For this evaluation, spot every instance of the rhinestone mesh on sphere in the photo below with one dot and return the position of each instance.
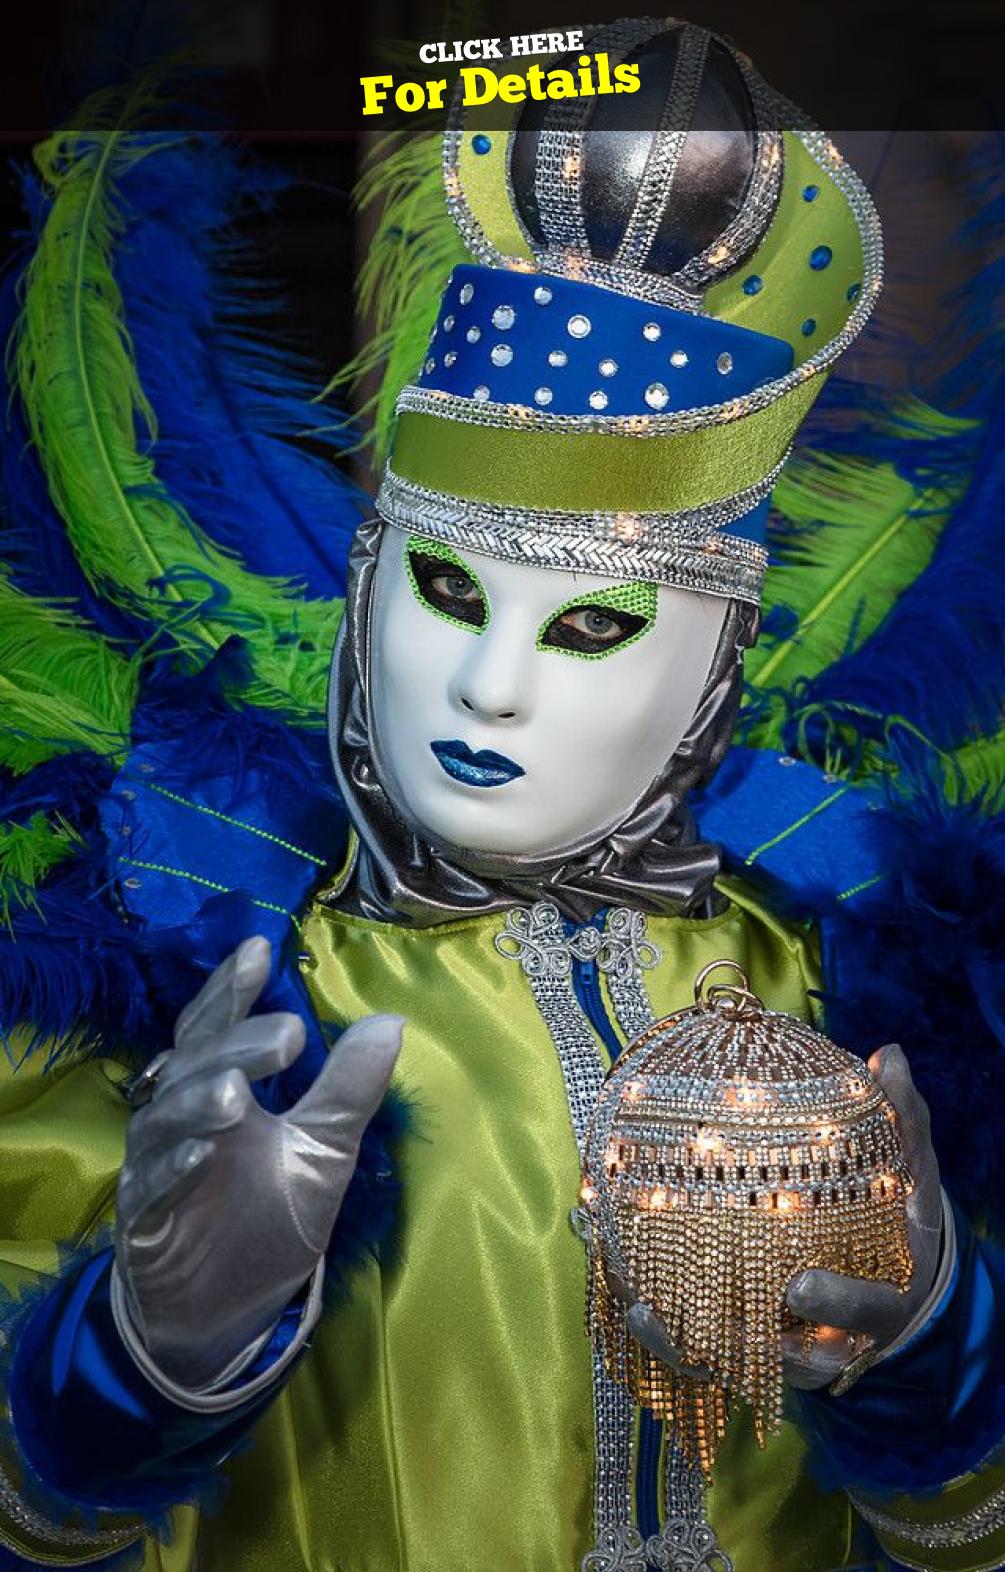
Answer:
(503, 317)
(579, 326)
(730, 1148)
(657, 396)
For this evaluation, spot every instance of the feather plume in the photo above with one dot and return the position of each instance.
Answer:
(232, 407)
(63, 686)
(408, 262)
(851, 534)
(28, 852)
(93, 427)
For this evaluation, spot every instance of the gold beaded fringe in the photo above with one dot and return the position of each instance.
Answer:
(733, 1147)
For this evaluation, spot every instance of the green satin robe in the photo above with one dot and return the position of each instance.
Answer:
(442, 1420)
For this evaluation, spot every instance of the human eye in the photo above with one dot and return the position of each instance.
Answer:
(444, 584)
(596, 627)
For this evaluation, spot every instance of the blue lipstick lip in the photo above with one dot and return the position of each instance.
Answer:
(484, 768)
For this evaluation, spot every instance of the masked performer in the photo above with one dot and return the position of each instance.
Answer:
(540, 662)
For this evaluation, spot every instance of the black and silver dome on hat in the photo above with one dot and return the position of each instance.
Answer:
(659, 192)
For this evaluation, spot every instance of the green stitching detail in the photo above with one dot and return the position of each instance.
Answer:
(857, 889)
(797, 825)
(238, 824)
(438, 548)
(209, 884)
(637, 598)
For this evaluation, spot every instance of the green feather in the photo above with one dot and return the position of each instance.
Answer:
(95, 434)
(28, 852)
(62, 685)
(414, 247)
(866, 535)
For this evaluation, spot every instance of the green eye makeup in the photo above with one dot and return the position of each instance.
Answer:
(445, 585)
(601, 622)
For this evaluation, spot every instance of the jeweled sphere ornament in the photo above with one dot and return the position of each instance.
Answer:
(732, 1147)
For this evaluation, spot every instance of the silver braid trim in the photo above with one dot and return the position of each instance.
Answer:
(624, 955)
(691, 551)
(969, 1528)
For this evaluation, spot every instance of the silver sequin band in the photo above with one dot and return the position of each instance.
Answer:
(692, 551)
(969, 1528)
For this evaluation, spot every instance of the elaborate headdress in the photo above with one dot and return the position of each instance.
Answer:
(661, 283)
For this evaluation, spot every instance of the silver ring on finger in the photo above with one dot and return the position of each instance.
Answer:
(141, 1090)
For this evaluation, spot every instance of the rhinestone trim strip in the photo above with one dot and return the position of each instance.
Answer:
(536, 937)
(761, 197)
(660, 171)
(561, 147)
(967, 1529)
(687, 551)
(23, 1516)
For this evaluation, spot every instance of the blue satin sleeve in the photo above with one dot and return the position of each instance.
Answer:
(936, 1408)
(94, 1432)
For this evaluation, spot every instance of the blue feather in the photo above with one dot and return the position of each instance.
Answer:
(938, 658)
(233, 408)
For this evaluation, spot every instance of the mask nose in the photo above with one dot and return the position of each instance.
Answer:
(493, 684)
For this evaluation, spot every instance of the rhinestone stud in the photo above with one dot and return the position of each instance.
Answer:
(579, 326)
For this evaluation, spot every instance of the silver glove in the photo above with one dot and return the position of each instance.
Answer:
(224, 1210)
(859, 1321)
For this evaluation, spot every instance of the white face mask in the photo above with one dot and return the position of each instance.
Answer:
(522, 710)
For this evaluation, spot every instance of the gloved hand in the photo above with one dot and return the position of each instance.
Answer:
(856, 1317)
(224, 1210)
